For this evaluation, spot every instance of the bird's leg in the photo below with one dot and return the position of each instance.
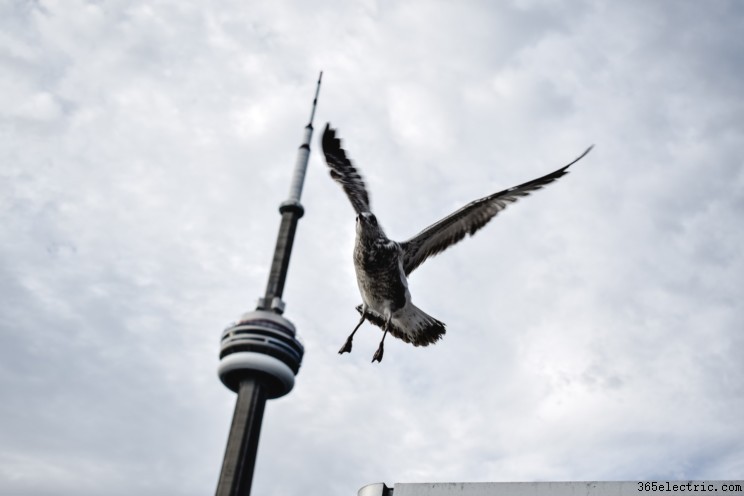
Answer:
(381, 348)
(346, 348)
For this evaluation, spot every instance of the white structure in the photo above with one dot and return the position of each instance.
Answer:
(593, 488)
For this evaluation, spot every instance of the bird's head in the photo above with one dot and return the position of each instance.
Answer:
(367, 226)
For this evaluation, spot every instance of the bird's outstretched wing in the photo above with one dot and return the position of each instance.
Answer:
(469, 219)
(344, 172)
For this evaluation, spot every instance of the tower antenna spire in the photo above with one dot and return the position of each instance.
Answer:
(291, 211)
(315, 100)
(260, 355)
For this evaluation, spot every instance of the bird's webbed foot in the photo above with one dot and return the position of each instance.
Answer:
(346, 348)
(379, 353)
(381, 348)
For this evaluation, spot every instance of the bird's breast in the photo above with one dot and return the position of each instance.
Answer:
(380, 277)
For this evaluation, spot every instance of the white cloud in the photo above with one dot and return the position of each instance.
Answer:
(593, 328)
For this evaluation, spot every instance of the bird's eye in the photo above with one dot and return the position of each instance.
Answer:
(373, 219)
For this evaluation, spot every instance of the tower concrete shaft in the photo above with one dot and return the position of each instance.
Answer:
(240, 455)
(260, 355)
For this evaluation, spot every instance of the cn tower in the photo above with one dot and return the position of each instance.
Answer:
(260, 355)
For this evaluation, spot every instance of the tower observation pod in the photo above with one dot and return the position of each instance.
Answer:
(261, 355)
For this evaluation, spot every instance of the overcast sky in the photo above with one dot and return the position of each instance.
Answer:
(594, 329)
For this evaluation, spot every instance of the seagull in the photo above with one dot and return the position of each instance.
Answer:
(382, 265)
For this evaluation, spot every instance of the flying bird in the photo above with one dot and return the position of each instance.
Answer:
(382, 265)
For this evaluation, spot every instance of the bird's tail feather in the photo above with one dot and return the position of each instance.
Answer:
(410, 324)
